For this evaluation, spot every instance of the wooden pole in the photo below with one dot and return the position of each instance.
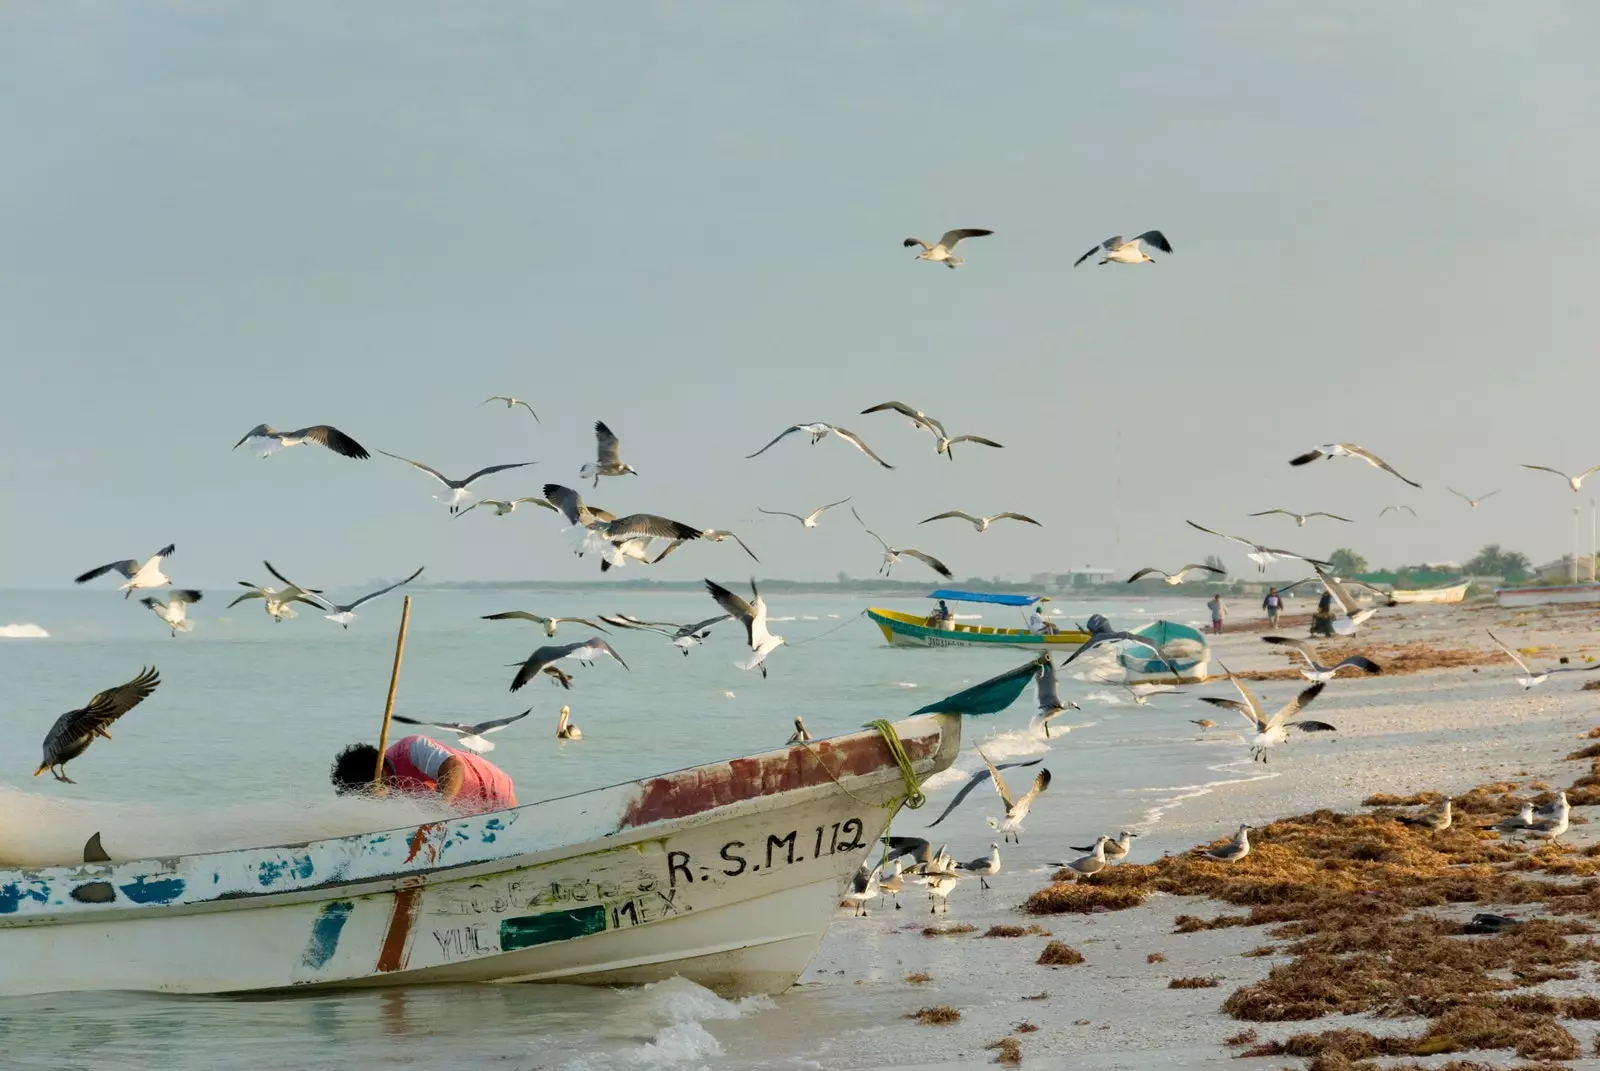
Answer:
(394, 683)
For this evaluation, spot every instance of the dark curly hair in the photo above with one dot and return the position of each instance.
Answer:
(353, 767)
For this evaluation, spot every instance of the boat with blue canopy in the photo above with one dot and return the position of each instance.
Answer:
(920, 630)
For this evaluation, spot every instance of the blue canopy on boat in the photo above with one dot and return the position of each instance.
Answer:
(985, 596)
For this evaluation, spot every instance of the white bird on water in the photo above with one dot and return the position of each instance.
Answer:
(1301, 518)
(982, 523)
(264, 439)
(1574, 482)
(510, 401)
(810, 519)
(139, 575)
(819, 431)
(470, 737)
(1331, 450)
(1179, 576)
(459, 489)
(1128, 252)
(1530, 678)
(1316, 671)
(753, 616)
(944, 248)
(1471, 502)
(1269, 732)
(175, 611)
(608, 456)
(565, 729)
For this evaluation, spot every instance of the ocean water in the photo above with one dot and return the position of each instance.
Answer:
(250, 713)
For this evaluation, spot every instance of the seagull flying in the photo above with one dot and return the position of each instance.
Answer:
(982, 523)
(175, 611)
(345, 613)
(942, 440)
(264, 439)
(1016, 809)
(891, 555)
(471, 736)
(1396, 509)
(608, 456)
(75, 730)
(1354, 613)
(278, 602)
(1179, 576)
(503, 506)
(683, 637)
(1529, 678)
(819, 431)
(1141, 692)
(549, 623)
(608, 535)
(1573, 482)
(1101, 632)
(716, 535)
(1316, 671)
(1469, 500)
(585, 651)
(459, 489)
(944, 248)
(146, 575)
(810, 519)
(1300, 518)
(753, 615)
(1050, 705)
(1128, 252)
(1262, 556)
(1349, 450)
(1274, 730)
(510, 401)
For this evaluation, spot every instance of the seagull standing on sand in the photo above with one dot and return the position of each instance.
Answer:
(894, 883)
(1559, 805)
(1091, 864)
(1262, 556)
(1128, 252)
(985, 867)
(1546, 828)
(810, 519)
(982, 523)
(1300, 518)
(586, 652)
(1515, 823)
(819, 431)
(549, 623)
(1434, 821)
(944, 248)
(1472, 503)
(1233, 851)
(1272, 731)
(1050, 705)
(922, 421)
(459, 489)
(608, 456)
(1115, 851)
(75, 730)
(470, 737)
(753, 616)
(510, 401)
(565, 729)
(1316, 671)
(1529, 678)
(345, 613)
(1574, 482)
(1179, 576)
(891, 555)
(175, 611)
(264, 439)
(863, 887)
(139, 576)
(1330, 450)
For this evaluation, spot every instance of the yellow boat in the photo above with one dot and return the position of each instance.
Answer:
(916, 630)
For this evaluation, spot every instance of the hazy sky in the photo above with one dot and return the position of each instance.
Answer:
(685, 219)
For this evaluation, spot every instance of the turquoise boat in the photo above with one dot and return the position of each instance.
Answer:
(1184, 647)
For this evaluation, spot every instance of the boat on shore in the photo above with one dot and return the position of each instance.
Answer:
(914, 630)
(1448, 593)
(726, 874)
(1181, 648)
(1544, 596)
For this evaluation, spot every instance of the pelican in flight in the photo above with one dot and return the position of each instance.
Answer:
(550, 623)
(942, 440)
(1179, 576)
(1330, 450)
(470, 737)
(819, 431)
(1316, 671)
(503, 506)
(1301, 518)
(944, 248)
(810, 519)
(1261, 555)
(1396, 509)
(75, 730)
(510, 401)
(1471, 502)
(1573, 482)
(459, 489)
(891, 555)
(608, 456)
(175, 611)
(1128, 252)
(1529, 678)
(1270, 731)
(753, 616)
(982, 523)
(264, 439)
(139, 575)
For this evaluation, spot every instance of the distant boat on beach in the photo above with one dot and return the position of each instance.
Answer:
(1449, 593)
(1544, 596)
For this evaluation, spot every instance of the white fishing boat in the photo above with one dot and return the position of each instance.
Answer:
(1543, 596)
(726, 874)
(1450, 593)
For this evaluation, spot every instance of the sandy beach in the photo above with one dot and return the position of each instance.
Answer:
(1443, 730)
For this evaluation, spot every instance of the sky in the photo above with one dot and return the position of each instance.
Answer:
(685, 219)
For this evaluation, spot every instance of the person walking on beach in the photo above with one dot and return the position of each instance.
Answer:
(1219, 610)
(1273, 605)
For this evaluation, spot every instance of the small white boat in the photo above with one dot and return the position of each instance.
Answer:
(1452, 593)
(1543, 596)
(727, 874)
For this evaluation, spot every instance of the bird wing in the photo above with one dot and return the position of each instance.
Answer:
(952, 513)
(1330, 516)
(1000, 786)
(1591, 470)
(127, 567)
(1510, 653)
(1496, 491)
(1203, 568)
(1346, 601)
(583, 621)
(1301, 647)
(596, 641)
(950, 238)
(979, 439)
(1365, 663)
(1232, 704)
(1458, 494)
(820, 510)
(869, 531)
(567, 502)
(909, 242)
(493, 468)
(518, 615)
(699, 626)
(253, 593)
(382, 591)
(1015, 517)
(626, 622)
(608, 448)
(929, 560)
(855, 440)
(781, 513)
(1257, 714)
(1049, 693)
(1040, 783)
(912, 846)
(183, 595)
(1541, 468)
(790, 430)
(111, 704)
(429, 469)
(529, 408)
(447, 726)
(334, 439)
(1091, 642)
(498, 723)
(541, 658)
(732, 603)
(263, 430)
(1295, 705)
(718, 535)
(1109, 243)
(649, 524)
(538, 502)
(1209, 531)
(1146, 571)
(1373, 459)
(1156, 240)
(977, 779)
(1307, 457)
(287, 583)
(1270, 512)
(1310, 726)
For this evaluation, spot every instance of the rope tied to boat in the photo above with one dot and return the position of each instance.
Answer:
(914, 797)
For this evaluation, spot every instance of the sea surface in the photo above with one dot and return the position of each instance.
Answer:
(250, 714)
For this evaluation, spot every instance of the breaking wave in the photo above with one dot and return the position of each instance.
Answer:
(23, 632)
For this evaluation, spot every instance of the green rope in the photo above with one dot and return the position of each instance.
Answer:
(914, 796)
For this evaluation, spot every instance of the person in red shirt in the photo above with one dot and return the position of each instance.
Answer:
(419, 765)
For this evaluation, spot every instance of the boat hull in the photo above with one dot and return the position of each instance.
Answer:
(1453, 593)
(726, 874)
(1544, 596)
(1183, 648)
(910, 630)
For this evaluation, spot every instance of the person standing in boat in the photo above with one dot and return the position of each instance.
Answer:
(1219, 610)
(940, 618)
(1273, 605)
(421, 766)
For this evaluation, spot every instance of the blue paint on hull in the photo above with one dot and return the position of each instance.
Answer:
(11, 896)
(160, 891)
(325, 933)
(270, 871)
